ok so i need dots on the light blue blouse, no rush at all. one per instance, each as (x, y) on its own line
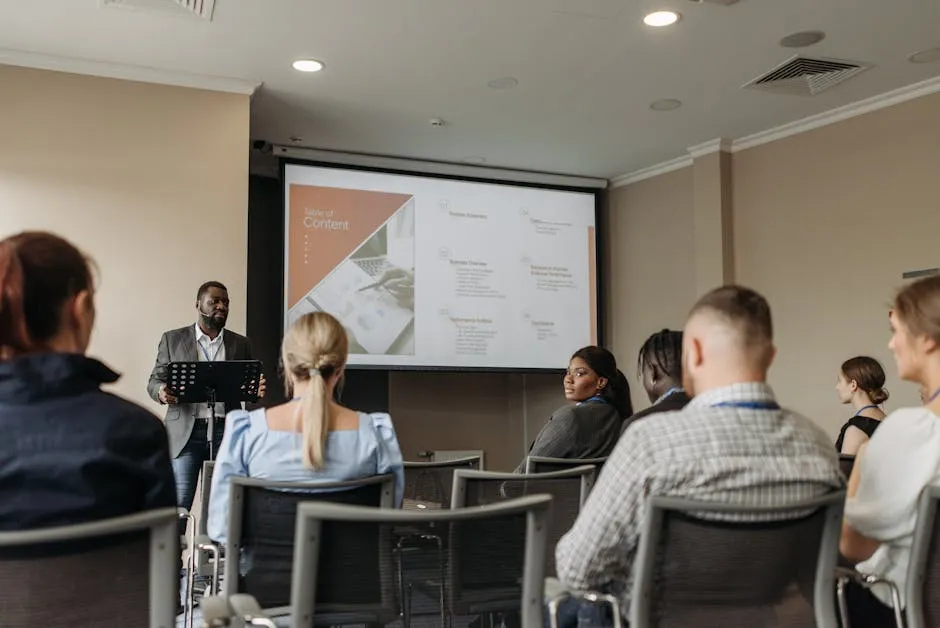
(251, 449)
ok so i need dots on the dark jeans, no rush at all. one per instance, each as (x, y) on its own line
(866, 610)
(188, 464)
(574, 614)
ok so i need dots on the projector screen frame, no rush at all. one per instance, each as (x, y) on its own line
(600, 243)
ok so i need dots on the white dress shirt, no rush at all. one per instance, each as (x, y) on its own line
(209, 350)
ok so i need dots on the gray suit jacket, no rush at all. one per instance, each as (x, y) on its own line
(179, 345)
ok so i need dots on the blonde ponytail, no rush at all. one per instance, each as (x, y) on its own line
(315, 421)
(314, 350)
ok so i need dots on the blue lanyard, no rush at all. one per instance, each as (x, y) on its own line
(669, 393)
(750, 405)
(863, 408)
(595, 398)
(206, 353)
(935, 394)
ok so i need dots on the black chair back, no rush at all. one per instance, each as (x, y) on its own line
(923, 579)
(569, 489)
(428, 484)
(356, 533)
(116, 572)
(706, 564)
(262, 521)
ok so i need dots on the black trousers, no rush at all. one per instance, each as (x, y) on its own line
(866, 610)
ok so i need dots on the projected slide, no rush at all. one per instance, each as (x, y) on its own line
(426, 272)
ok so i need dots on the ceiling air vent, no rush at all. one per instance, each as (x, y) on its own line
(197, 8)
(807, 76)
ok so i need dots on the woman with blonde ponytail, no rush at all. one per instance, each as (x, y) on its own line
(311, 438)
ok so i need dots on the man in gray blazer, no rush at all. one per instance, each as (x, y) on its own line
(187, 423)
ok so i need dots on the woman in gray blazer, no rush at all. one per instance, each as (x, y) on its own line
(600, 402)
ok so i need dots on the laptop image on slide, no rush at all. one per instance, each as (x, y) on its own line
(374, 316)
(349, 292)
(374, 266)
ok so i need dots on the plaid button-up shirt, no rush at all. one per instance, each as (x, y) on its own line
(725, 453)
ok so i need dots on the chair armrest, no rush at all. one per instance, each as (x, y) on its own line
(555, 591)
(869, 581)
(215, 611)
(219, 611)
(214, 552)
(185, 539)
(246, 608)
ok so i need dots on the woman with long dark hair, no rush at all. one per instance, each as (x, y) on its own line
(600, 398)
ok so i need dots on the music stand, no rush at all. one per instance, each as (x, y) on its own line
(230, 381)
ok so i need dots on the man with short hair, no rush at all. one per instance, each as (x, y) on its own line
(187, 423)
(731, 444)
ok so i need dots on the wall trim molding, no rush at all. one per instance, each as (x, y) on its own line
(712, 146)
(653, 171)
(881, 101)
(868, 105)
(127, 72)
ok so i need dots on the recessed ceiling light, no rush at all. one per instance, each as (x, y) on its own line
(665, 104)
(925, 56)
(474, 160)
(661, 18)
(505, 82)
(308, 65)
(802, 39)
(295, 139)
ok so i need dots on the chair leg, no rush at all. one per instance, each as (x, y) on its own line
(896, 601)
(553, 612)
(843, 605)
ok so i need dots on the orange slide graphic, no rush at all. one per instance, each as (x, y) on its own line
(325, 226)
(592, 279)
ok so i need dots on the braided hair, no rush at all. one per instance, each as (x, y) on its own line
(662, 353)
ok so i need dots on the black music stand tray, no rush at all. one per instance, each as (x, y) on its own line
(230, 381)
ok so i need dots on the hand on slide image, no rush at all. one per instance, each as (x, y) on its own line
(400, 283)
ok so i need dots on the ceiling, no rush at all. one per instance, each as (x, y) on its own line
(587, 70)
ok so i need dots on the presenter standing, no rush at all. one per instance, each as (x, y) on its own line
(187, 423)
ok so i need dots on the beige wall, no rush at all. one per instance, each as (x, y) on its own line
(499, 413)
(650, 283)
(824, 223)
(149, 180)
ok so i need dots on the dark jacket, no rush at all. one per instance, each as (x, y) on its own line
(179, 345)
(673, 402)
(586, 430)
(72, 453)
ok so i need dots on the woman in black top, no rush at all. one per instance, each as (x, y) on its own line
(71, 453)
(861, 383)
(601, 401)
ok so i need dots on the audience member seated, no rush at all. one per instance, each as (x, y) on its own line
(861, 383)
(894, 466)
(589, 428)
(731, 444)
(72, 453)
(311, 438)
(660, 365)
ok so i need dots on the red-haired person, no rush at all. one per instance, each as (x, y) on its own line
(70, 452)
